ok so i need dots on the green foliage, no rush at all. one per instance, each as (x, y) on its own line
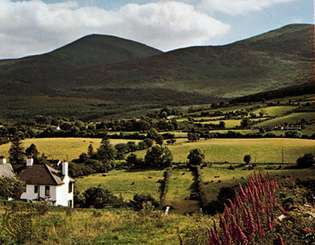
(140, 201)
(305, 161)
(158, 157)
(16, 151)
(247, 159)
(11, 188)
(98, 197)
(196, 157)
(106, 152)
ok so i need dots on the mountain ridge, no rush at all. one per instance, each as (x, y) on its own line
(90, 67)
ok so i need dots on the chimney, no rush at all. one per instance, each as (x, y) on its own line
(65, 168)
(3, 160)
(29, 161)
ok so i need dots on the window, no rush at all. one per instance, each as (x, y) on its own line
(35, 189)
(70, 203)
(47, 190)
(70, 187)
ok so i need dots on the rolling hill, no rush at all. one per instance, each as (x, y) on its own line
(120, 72)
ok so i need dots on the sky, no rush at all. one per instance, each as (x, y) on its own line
(29, 27)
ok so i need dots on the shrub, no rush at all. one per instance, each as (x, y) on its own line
(305, 161)
(196, 157)
(99, 197)
(158, 157)
(140, 201)
(11, 188)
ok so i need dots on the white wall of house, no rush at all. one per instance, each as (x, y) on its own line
(58, 195)
(63, 196)
(30, 194)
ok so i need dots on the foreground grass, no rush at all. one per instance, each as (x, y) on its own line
(62, 148)
(110, 226)
(267, 150)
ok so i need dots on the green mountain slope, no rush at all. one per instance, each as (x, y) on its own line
(118, 71)
(270, 61)
(49, 70)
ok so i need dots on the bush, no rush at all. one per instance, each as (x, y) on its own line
(99, 197)
(196, 157)
(305, 161)
(158, 157)
(11, 188)
(140, 201)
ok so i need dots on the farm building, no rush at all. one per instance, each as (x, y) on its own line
(46, 183)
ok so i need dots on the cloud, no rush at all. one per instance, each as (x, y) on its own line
(238, 7)
(31, 27)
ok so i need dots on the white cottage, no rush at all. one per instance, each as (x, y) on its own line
(46, 183)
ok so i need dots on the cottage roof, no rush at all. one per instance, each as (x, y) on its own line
(41, 174)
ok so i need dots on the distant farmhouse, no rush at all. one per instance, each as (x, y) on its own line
(43, 182)
(48, 184)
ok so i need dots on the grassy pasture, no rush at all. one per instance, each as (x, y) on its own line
(67, 148)
(215, 178)
(274, 111)
(291, 118)
(267, 150)
(124, 183)
(230, 123)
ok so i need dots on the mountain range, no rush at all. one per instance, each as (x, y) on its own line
(119, 71)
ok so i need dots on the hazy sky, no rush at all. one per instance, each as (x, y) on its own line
(37, 26)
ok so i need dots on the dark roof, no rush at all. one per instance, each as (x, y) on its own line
(41, 174)
(6, 170)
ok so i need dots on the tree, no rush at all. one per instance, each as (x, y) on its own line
(90, 150)
(158, 156)
(154, 135)
(247, 159)
(222, 124)
(11, 188)
(193, 137)
(305, 161)
(245, 123)
(196, 157)
(106, 152)
(33, 152)
(16, 151)
(99, 197)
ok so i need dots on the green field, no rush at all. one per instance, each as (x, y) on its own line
(124, 183)
(291, 118)
(266, 150)
(62, 148)
(274, 111)
(230, 123)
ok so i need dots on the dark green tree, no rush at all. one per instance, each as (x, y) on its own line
(196, 157)
(306, 161)
(158, 157)
(245, 123)
(106, 152)
(154, 135)
(16, 151)
(98, 197)
(11, 188)
(247, 159)
(90, 150)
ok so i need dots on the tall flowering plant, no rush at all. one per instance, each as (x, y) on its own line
(249, 215)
